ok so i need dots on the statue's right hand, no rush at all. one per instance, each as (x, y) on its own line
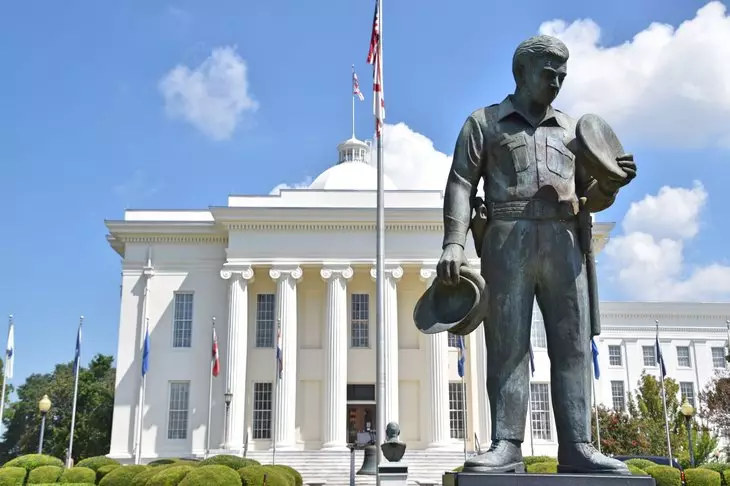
(449, 266)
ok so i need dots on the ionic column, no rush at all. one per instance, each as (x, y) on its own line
(286, 278)
(236, 354)
(437, 354)
(334, 405)
(393, 273)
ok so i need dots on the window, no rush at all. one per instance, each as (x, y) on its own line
(360, 321)
(540, 408)
(454, 341)
(683, 359)
(614, 356)
(718, 358)
(537, 334)
(177, 422)
(649, 355)
(687, 390)
(618, 395)
(265, 313)
(182, 326)
(262, 398)
(456, 410)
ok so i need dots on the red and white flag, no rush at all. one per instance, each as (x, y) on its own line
(216, 356)
(356, 86)
(374, 58)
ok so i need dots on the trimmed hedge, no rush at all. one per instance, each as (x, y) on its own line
(635, 471)
(170, 476)
(254, 476)
(641, 463)
(142, 478)
(78, 474)
(104, 470)
(702, 477)
(212, 474)
(12, 476)
(96, 462)
(32, 461)
(67, 484)
(290, 472)
(122, 476)
(45, 474)
(528, 460)
(233, 462)
(665, 475)
(543, 468)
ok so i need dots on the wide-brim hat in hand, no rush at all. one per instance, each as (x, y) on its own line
(458, 309)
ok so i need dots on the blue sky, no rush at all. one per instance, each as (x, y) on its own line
(84, 130)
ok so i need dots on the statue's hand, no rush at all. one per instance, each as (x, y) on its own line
(627, 164)
(452, 259)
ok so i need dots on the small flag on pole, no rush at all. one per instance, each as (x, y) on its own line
(216, 357)
(279, 354)
(462, 357)
(596, 368)
(146, 351)
(77, 355)
(10, 352)
(375, 58)
(660, 358)
(532, 361)
(356, 86)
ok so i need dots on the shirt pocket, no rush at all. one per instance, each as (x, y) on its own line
(514, 147)
(560, 160)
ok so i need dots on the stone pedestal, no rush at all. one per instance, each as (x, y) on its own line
(393, 474)
(484, 479)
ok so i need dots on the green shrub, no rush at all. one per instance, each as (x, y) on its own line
(67, 484)
(254, 476)
(702, 477)
(716, 466)
(122, 476)
(234, 462)
(78, 474)
(543, 468)
(641, 463)
(96, 462)
(12, 476)
(290, 472)
(528, 460)
(32, 461)
(458, 469)
(635, 471)
(169, 476)
(664, 475)
(104, 470)
(44, 474)
(142, 478)
(212, 474)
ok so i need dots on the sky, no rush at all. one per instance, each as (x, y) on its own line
(112, 105)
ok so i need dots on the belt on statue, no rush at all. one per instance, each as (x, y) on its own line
(532, 209)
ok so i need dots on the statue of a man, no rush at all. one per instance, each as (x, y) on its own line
(530, 249)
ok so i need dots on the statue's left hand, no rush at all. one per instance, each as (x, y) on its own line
(627, 164)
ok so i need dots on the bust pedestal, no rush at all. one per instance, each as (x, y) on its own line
(393, 474)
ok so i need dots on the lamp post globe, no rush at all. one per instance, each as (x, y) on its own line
(44, 405)
(688, 411)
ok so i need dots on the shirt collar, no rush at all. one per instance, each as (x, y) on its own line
(507, 108)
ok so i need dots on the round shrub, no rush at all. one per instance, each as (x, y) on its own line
(640, 463)
(44, 474)
(543, 468)
(293, 474)
(104, 470)
(635, 471)
(170, 476)
(254, 476)
(234, 462)
(122, 476)
(716, 466)
(142, 478)
(12, 476)
(163, 462)
(212, 474)
(78, 474)
(32, 461)
(458, 469)
(702, 477)
(536, 459)
(96, 462)
(664, 475)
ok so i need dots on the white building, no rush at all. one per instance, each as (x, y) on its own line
(307, 258)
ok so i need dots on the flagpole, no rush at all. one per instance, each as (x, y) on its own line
(352, 95)
(529, 400)
(6, 373)
(77, 368)
(276, 391)
(595, 409)
(210, 400)
(664, 395)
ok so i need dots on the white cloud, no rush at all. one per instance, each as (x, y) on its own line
(297, 185)
(136, 189)
(648, 259)
(666, 85)
(213, 97)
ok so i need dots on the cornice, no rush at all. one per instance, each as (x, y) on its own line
(650, 316)
(169, 238)
(319, 226)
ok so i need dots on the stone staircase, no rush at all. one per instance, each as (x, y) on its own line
(334, 466)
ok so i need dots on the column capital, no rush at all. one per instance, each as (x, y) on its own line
(286, 271)
(243, 271)
(148, 271)
(427, 273)
(330, 270)
(393, 271)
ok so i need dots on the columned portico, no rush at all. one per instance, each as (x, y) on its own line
(285, 399)
(239, 277)
(437, 355)
(393, 274)
(334, 400)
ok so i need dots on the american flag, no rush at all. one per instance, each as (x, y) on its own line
(279, 354)
(356, 86)
(375, 58)
(460, 365)
(216, 356)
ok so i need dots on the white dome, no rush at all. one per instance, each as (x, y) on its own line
(356, 175)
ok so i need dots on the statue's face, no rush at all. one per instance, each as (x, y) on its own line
(543, 78)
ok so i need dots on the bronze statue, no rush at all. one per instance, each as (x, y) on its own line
(393, 449)
(543, 173)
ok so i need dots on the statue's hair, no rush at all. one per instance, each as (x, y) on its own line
(540, 45)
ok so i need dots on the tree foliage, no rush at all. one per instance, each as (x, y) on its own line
(93, 412)
(716, 400)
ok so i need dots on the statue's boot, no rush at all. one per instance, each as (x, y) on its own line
(583, 458)
(503, 456)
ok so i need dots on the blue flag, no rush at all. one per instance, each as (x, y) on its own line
(462, 357)
(596, 368)
(660, 358)
(146, 352)
(532, 361)
(77, 356)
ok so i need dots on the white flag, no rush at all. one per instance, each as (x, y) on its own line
(10, 352)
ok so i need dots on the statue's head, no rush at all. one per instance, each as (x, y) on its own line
(392, 431)
(539, 66)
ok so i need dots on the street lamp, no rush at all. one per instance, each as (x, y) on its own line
(688, 411)
(44, 405)
(228, 396)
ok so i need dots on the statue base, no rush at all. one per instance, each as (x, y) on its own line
(393, 474)
(487, 479)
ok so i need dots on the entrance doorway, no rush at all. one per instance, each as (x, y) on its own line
(360, 423)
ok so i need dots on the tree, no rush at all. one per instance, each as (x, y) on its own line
(93, 412)
(716, 400)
